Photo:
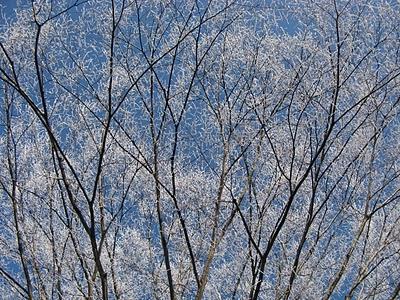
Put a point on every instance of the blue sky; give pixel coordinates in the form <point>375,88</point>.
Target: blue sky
<point>7,6</point>
<point>9,3</point>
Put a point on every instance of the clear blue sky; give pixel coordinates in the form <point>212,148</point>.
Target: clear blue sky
<point>8,6</point>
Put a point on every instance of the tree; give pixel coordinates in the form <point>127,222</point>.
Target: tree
<point>200,149</point>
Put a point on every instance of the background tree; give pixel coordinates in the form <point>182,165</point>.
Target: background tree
<point>200,149</point>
